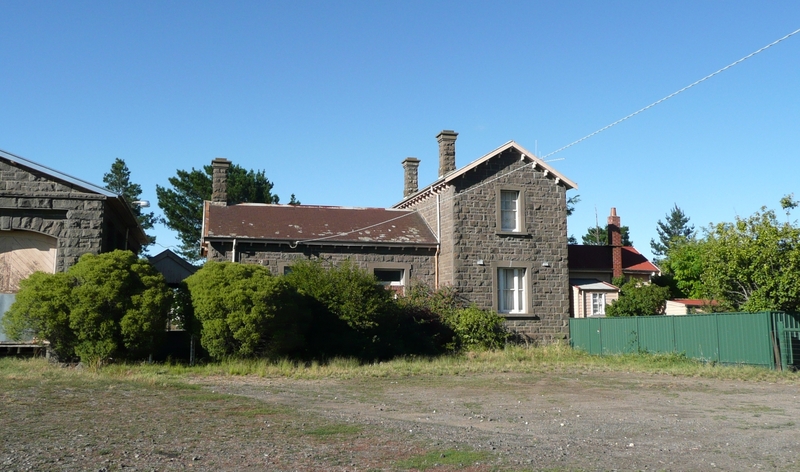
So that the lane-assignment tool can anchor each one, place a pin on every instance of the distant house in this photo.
(590, 297)
(495, 230)
(593, 268)
(173, 267)
(689, 306)
(48, 219)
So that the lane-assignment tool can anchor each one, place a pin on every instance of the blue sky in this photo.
(329, 97)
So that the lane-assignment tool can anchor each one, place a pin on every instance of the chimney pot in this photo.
(411, 177)
(219, 180)
(447, 152)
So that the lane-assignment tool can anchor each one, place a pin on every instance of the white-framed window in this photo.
(511, 294)
(392, 276)
(598, 304)
(509, 210)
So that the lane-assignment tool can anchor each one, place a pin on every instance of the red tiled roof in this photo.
(695, 302)
(598, 258)
(329, 224)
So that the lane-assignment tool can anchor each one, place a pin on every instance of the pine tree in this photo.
(118, 180)
(674, 230)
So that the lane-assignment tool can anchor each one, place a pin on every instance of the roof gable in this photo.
(317, 224)
(527, 156)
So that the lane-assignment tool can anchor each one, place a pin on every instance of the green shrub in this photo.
(639, 299)
(41, 310)
(478, 329)
(106, 305)
(347, 291)
(246, 312)
(468, 326)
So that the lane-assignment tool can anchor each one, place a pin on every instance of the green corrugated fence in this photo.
(767, 339)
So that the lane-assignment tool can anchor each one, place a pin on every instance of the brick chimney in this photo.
(411, 179)
(447, 152)
(615, 241)
(219, 181)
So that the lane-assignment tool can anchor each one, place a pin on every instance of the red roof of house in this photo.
(695, 302)
(307, 223)
(599, 258)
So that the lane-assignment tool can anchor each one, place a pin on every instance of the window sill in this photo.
(529, 316)
(518, 234)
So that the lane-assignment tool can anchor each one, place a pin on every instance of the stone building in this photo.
(495, 230)
(48, 219)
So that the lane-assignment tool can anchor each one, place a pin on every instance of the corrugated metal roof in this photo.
(319, 224)
(89, 187)
(599, 258)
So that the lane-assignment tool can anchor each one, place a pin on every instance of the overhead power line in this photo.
(542, 158)
(675, 93)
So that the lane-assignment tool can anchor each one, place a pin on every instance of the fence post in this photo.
(782, 342)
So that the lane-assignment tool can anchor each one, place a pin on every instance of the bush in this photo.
(639, 299)
(469, 327)
(478, 329)
(350, 293)
(106, 305)
(246, 312)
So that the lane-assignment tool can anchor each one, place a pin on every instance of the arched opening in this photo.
(23, 253)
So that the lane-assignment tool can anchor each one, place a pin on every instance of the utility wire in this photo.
(675, 93)
(533, 164)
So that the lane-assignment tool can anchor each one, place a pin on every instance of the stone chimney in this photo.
(411, 180)
(447, 152)
(615, 241)
(219, 181)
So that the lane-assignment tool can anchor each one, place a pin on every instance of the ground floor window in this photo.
(392, 279)
(598, 304)
(511, 290)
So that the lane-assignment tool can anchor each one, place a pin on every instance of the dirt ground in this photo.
(562, 421)
(554, 421)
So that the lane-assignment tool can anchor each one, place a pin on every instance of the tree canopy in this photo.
(674, 230)
(118, 180)
(597, 236)
(183, 203)
(753, 264)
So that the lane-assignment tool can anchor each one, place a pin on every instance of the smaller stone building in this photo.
(48, 219)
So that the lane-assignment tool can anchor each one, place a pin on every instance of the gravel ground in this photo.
(561, 421)
(543, 421)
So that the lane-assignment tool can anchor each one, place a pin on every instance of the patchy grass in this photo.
(334, 430)
(450, 457)
(512, 359)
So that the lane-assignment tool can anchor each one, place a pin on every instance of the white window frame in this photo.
(399, 287)
(509, 206)
(601, 297)
(510, 201)
(512, 281)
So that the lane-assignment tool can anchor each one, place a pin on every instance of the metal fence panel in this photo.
(744, 338)
(619, 335)
(696, 336)
(657, 333)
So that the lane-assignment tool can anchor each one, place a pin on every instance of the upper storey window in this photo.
(509, 210)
